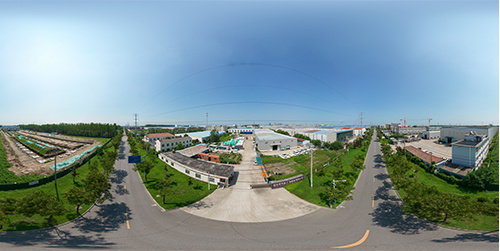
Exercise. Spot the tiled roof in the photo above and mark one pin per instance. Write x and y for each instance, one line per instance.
(426, 157)
(159, 135)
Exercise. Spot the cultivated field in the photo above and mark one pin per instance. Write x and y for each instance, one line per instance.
(27, 151)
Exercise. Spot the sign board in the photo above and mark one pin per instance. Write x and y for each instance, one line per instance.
(288, 181)
(34, 182)
(134, 159)
(259, 161)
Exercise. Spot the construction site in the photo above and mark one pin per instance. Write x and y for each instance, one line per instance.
(37, 153)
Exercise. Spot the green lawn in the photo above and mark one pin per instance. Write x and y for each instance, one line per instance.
(181, 193)
(302, 165)
(19, 222)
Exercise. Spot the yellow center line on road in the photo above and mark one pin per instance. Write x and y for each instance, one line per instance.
(125, 186)
(128, 225)
(373, 201)
(363, 239)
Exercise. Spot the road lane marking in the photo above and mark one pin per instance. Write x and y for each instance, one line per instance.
(125, 186)
(373, 201)
(128, 225)
(363, 239)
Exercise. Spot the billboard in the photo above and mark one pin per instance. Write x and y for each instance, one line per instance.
(134, 159)
(288, 181)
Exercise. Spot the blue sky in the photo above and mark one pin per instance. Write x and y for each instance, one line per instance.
(249, 61)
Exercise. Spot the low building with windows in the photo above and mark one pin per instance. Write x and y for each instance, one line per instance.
(471, 151)
(153, 137)
(164, 145)
(199, 136)
(205, 171)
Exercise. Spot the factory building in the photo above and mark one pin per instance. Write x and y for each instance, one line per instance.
(430, 135)
(205, 171)
(199, 136)
(216, 127)
(241, 130)
(397, 128)
(332, 136)
(454, 134)
(267, 140)
(470, 151)
(164, 145)
(10, 128)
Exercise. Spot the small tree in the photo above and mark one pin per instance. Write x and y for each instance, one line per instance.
(97, 184)
(337, 145)
(214, 136)
(74, 173)
(78, 196)
(40, 203)
(164, 186)
(144, 167)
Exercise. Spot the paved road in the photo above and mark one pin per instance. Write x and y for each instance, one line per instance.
(107, 226)
(239, 203)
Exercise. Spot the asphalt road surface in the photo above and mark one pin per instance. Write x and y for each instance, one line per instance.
(130, 220)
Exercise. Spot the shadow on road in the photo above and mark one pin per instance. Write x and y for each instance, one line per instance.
(475, 237)
(388, 214)
(234, 179)
(199, 205)
(118, 176)
(109, 217)
(54, 238)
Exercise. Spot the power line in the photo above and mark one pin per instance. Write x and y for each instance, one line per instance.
(246, 102)
(247, 64)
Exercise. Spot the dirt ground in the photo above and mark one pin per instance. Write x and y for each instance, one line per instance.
(23, 163)
(279, 168)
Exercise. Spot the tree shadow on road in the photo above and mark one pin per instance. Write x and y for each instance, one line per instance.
(53, 238)
(109, 217)
(388, 214)
(474, 237)
(200, 205)
(118, 176)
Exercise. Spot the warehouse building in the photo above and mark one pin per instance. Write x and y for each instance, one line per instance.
(164, 145)
(430, 135)
(471, 151)
(205, 171)
(199, 136)
(241, 130)
(267, 140)
(10, 128)
(454, 134)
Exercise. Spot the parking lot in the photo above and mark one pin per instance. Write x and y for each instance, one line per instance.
(432, 146)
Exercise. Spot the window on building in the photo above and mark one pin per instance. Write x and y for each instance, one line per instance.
(186, 171)
(211, 179)
(198, 175)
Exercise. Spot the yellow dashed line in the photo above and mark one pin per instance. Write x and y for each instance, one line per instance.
(363, 239)
(128, 225)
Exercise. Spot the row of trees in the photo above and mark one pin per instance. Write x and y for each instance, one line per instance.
(427, 201)
(79, 129)
(95, 187)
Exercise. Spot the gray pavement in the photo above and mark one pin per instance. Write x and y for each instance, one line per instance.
(240, 203)
(131, 221)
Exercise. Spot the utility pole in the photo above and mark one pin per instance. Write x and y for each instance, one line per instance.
(135, 114)
(312, 154)
(361, 118)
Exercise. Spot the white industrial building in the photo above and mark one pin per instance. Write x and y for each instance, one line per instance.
(153, 137)
(430, 135)
(163, 145)
(199, 136)
(396, 128)
(216, 127)
(241, 130)
(267, 140)
(454, 134)
(471, 151)
(205, 171)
